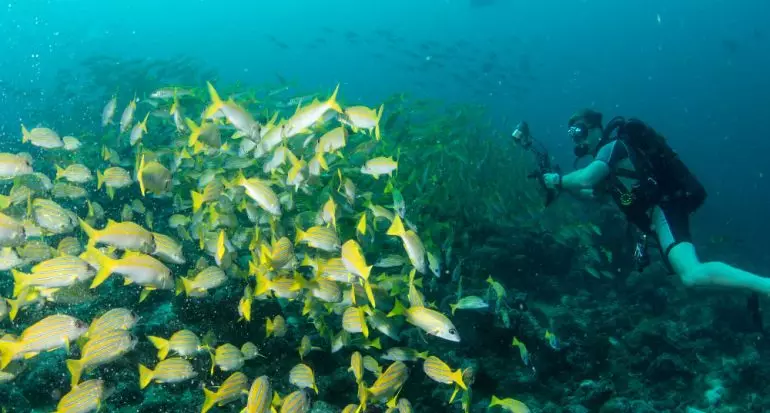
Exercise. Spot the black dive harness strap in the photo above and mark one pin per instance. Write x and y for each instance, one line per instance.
(645, 193)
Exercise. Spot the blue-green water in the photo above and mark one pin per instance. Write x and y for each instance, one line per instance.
(468, 71)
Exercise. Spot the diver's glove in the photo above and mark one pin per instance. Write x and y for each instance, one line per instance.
(552, 180)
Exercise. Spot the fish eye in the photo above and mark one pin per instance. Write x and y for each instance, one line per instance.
(452, 331)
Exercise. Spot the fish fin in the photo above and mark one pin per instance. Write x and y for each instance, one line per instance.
(332, 102)
(398, 309)
(8, 350)
(377, 125)
(105, 266)
(269, 327)
(263, 284)
(209, 400)
(195, 132)
(13, 308)
(99, 180)
(187, 285)
(197, 200)
(145, 293)
(145, 376)
(140, 175)
(397, 227)
(457, 376)
(453, 307)
(75, 368)
(59, 171)
(161, 344)
(495, 401)
(216, 102)
(18, 282)
(24, 134)
(369, 292)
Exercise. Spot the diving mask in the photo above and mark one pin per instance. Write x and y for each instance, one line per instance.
(579, 135)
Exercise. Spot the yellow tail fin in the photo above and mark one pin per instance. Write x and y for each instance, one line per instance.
(209, 400)
(13, 307)
(105, 266)
(397, 227)
(76, 370)
(59, 171)
(140, 175)
(145, 376)
(269, 327)
(24, 134)
(332, 102)
(8, 350)
(457, 376)
(197, 200)
(263, 284)
(377, 125)
(19, 282)
(216, 102)
(91, 233)
(195, 132)
(161, 344)
(99, 180)
(19, 279)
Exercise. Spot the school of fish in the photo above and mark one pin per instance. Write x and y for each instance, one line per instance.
(297, 208)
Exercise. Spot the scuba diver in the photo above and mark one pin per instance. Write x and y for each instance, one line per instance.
(653, 188)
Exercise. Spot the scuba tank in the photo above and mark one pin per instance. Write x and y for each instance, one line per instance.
(662, 175)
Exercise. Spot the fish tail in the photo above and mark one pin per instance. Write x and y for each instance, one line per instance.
(332, 102)
(263, 284)
(376, 343)
(397, 227)
(161, 344)
(105, 266)
(144, 122)
(495, 401)
(423, 355)
(99, 180)
(195, 132)
(25, 135)
(19, 282)
(91, 233)
(377, 125)
(197, 200)
(5, 201)
(145, 376)
(457, 377)
(13, 308)
(216, 102)
(75, 368)
(209, 400)
(369, 292)
(269, 327)
(398, 309)
(299, 237)
(453, 307)
(8, 349)
(187, 285)
(59, 171)
(140, 175)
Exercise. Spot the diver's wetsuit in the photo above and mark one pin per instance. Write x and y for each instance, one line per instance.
(667, 219)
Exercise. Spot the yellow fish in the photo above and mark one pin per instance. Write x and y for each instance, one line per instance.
(302, 376)
(121, 235)
(442, 373)
(85, 397)
(430, 321)
(260, 396)
(172, 370)
(53, 332)
(183, 343)
(99, 350)
(230, 390)
(355, 262)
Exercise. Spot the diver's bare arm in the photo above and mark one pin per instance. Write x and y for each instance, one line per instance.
(585, 178)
